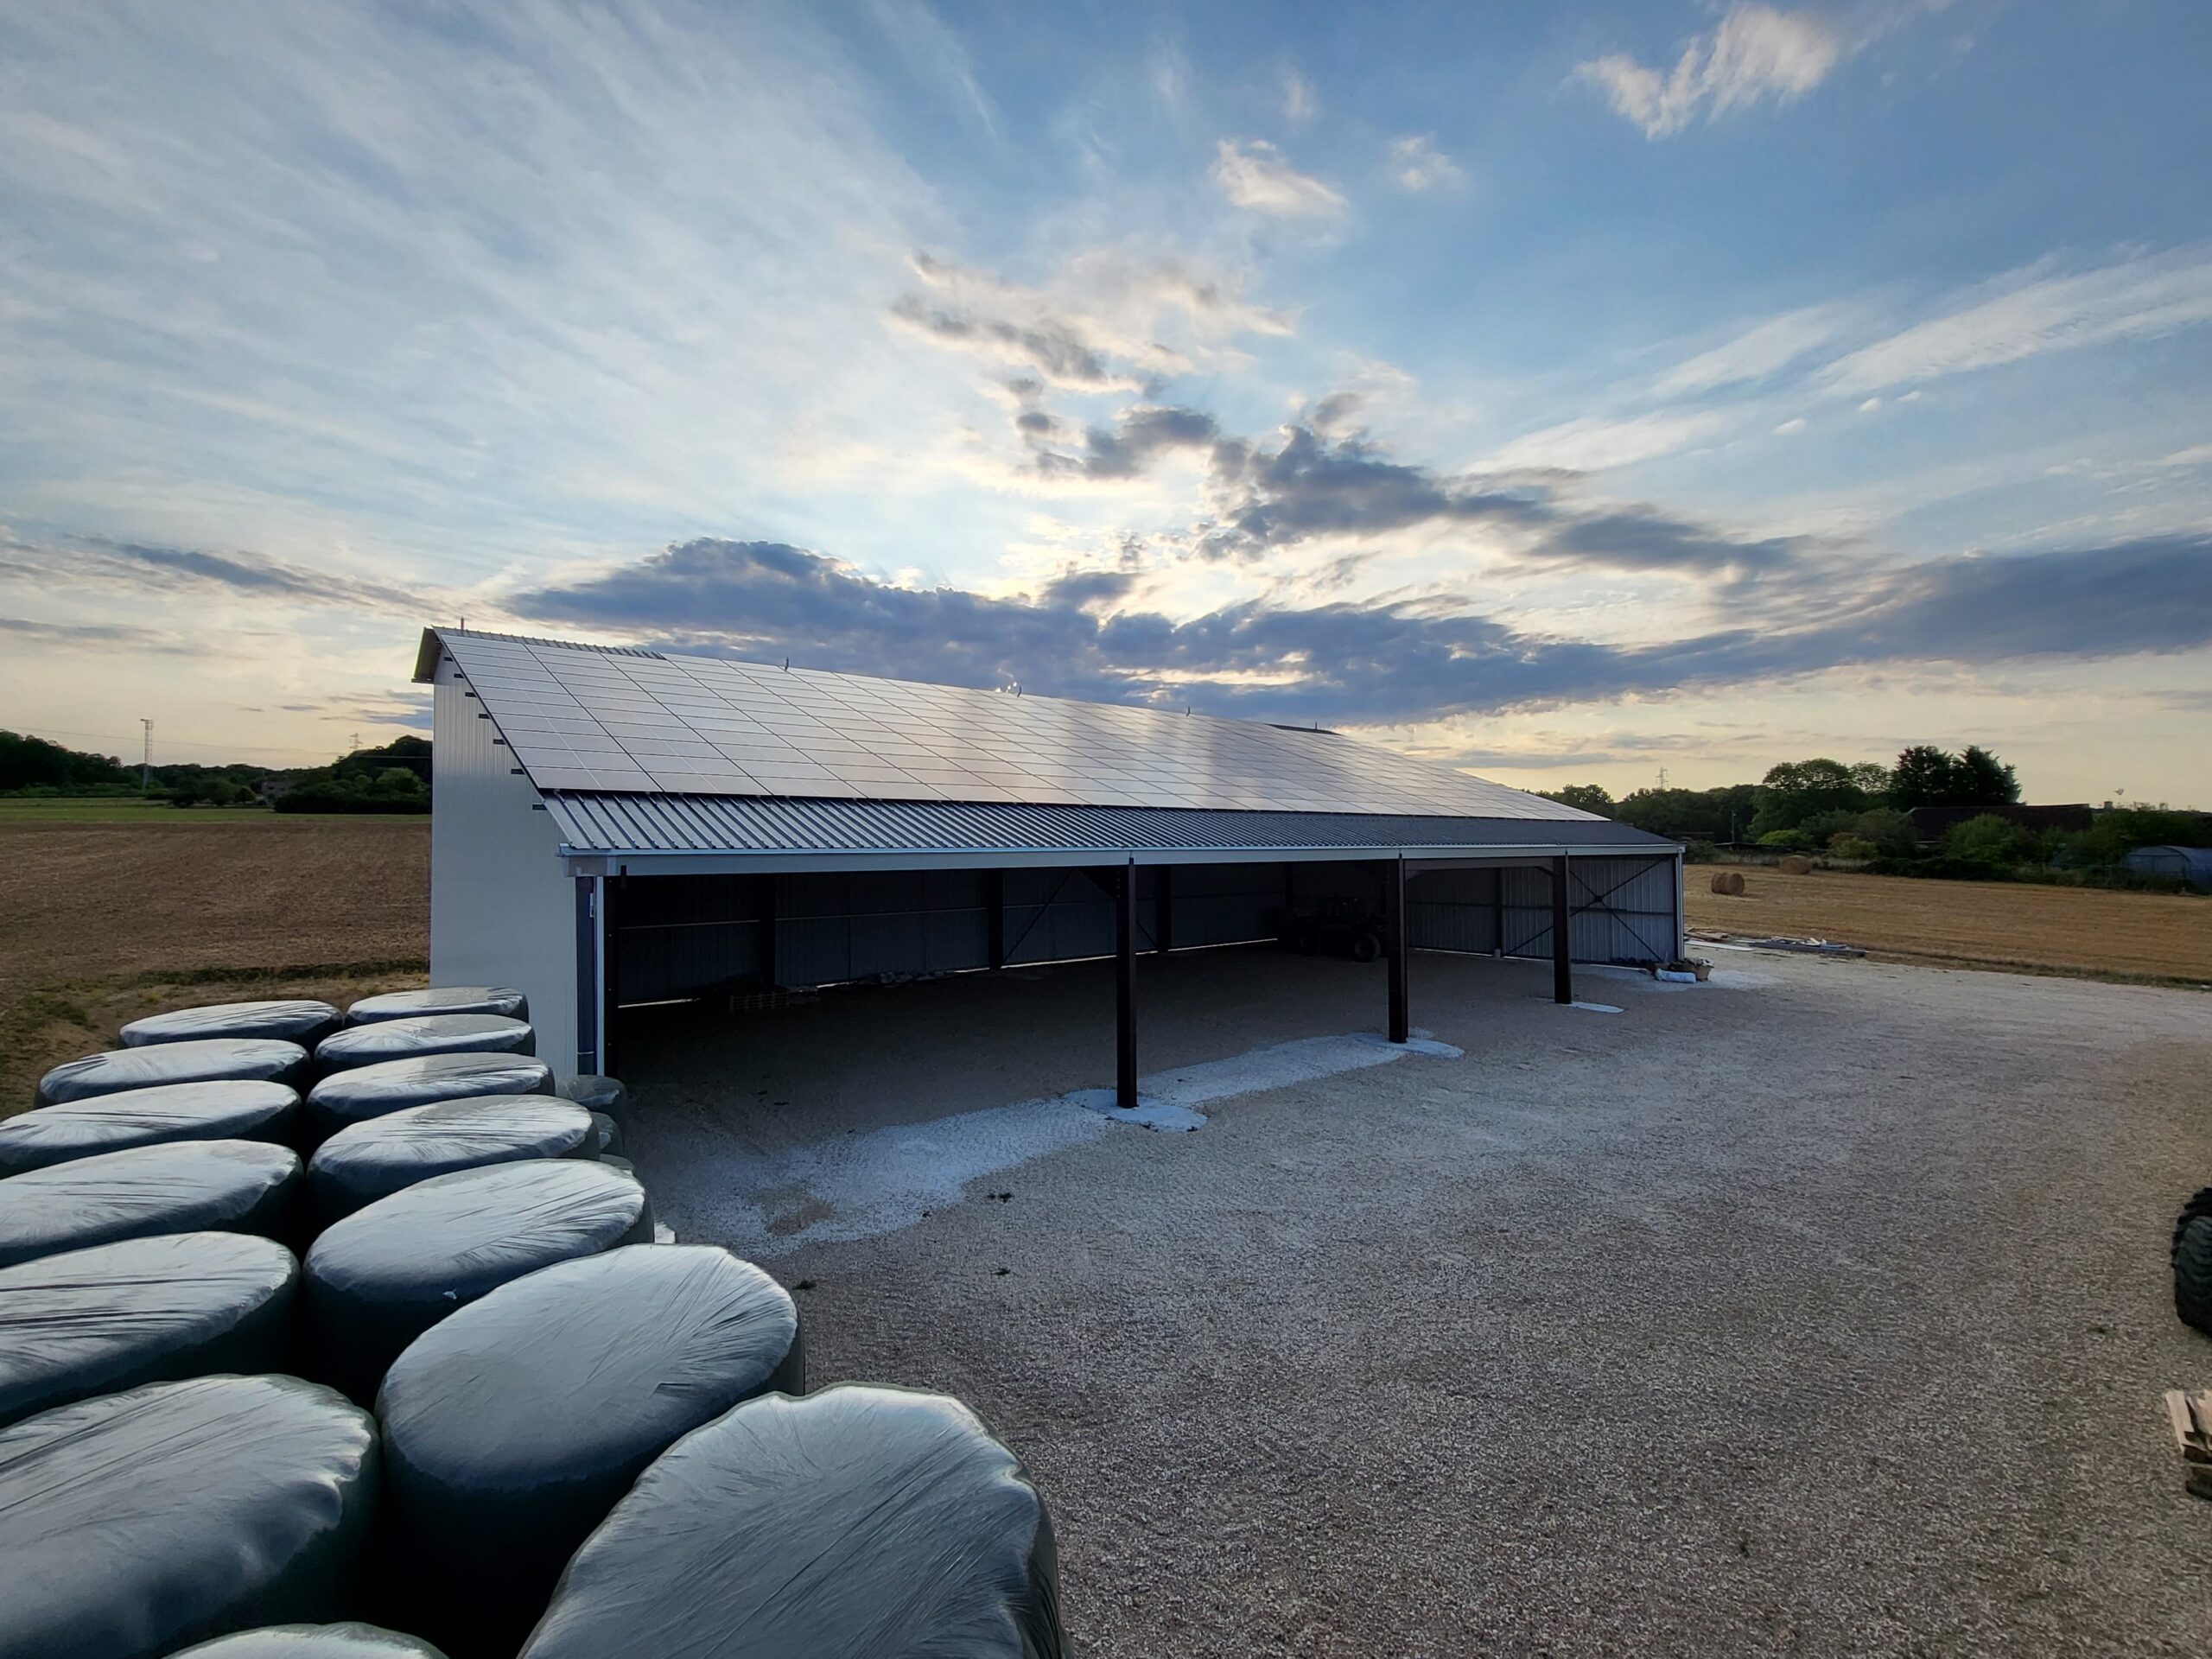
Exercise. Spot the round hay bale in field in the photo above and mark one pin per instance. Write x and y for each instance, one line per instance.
(188, 1186)
(421, 1035)
(144, 1310)
(441, 999)
(879, 1522)
(294, 1021)
(221, 1110)
(208, 1059)
(1730, 883)
(384, 1155)
(373, 1090)
(139, 1523)
(1796, 864)
(596, 1094)
(511, 1429)
(380, 1278)
(607, 1135)
(314, 1642)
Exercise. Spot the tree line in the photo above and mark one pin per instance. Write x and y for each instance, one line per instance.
(395, 778)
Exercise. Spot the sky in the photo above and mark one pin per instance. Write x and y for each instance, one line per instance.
(1570, 393)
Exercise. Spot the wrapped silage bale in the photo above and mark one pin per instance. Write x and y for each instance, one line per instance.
(136, 1523)
(607, 1134)
(207, 1059)
(224, 1109)
(143, 1310)
(441, 999)
(421, 1035)
(511, 1429)
(314, 1642)
(598, 1094)
(861, 1523)
(381, 1277)
(186, 1186)
(393, 1085)
(291, 1021)
(376, 1158)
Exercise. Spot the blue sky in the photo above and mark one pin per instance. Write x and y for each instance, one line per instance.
(1564, 392)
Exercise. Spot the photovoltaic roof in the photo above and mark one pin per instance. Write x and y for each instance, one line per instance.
(620, 722)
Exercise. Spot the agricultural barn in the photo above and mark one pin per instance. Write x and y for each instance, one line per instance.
(616, 827)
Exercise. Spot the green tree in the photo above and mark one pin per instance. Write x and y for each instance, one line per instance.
(1921, 777)
(1587, 797)
(1979, 779)
(1989, 840)
(1798, 790)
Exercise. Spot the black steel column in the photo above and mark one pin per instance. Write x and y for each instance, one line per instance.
(1163, 909)
(611, 895)
(767, 925)
(587, 975)
(1562, 938)
(1394, 928)
(1125, 986)
(994, 918)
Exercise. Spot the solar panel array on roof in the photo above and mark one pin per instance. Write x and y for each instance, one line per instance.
(630, 722)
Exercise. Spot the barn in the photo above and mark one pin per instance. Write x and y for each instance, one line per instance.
(615, 828)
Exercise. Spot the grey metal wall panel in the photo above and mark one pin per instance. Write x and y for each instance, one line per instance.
(659, 962)
(1453, 910)
(1226, 904)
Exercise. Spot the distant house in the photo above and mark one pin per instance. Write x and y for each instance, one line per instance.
(2189, 864)
(1933, 823)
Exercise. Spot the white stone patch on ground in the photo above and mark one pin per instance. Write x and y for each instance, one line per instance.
(862, 1185)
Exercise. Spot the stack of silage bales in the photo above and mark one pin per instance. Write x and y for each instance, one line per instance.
(188, 1452)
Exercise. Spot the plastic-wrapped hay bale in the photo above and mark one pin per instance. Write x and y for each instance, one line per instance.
(136, 1523)
(189, 1187)
(441, 999)
(861, 1523)
(223, 1110)
(384, 1155)
(296, 1020)
(383, 1275)
(511, 1429)
(314, 1642)
(596, 1094)
(607, 1135)
(424, 1033)
(144, 1310)
(373, 1090)
(244, 1058)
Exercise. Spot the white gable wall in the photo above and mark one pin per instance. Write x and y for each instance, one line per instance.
(502, 910)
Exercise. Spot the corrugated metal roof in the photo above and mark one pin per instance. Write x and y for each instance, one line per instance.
(611, 822)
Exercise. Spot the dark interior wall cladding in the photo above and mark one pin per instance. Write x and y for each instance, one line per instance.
(839, 926)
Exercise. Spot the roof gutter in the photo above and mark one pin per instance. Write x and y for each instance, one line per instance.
(807, 861)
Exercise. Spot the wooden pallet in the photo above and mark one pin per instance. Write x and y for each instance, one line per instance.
(2191, 1417)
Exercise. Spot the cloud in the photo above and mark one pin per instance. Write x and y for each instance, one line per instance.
(1592, 444)
(1791, 427)
(1298, 103)
(2027, 314)
(90, 634)
(1769, 347)
(1756, 52)
(143, 568)
(1386, 661)
(1253, 174)
(1417, 165)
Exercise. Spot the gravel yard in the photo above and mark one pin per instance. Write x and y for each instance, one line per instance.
(1823, 1309)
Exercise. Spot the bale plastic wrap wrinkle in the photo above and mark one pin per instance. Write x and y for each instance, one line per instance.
(188, 1187)
(512, 1427)
(260, 1058)
(377, 1158)
(226, 1109)
(421, 1035)
(607, 1135)
(314, 1642)
(440, 999)
(144, 1310)
(600, 1094)
(381, 1277)
(861, 1523)
(297, 1020)
(136, 1523)
(392, 1085)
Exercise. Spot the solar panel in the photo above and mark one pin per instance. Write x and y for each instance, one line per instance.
(584, 718)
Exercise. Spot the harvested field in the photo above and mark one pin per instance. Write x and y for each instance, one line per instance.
(104, 922)
(1983, 923)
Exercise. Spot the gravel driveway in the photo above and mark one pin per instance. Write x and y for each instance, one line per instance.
(1823, 1309)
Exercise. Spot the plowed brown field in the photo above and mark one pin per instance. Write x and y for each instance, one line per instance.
(1985, 923)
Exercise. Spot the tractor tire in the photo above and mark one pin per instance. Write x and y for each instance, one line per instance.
(1365, 947)
(2192, 1263)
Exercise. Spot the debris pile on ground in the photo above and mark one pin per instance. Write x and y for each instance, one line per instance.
(478, 1261)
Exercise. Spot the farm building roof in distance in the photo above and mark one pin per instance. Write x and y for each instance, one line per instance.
(642, 752)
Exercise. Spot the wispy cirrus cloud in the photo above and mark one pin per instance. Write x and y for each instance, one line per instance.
(1418, 166)
(1756, 53)
(1254, 175)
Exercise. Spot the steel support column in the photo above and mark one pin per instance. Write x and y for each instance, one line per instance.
(1125, 986)
(768, 968)
(588, 971)
(1562, 937)
(1393, 910)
